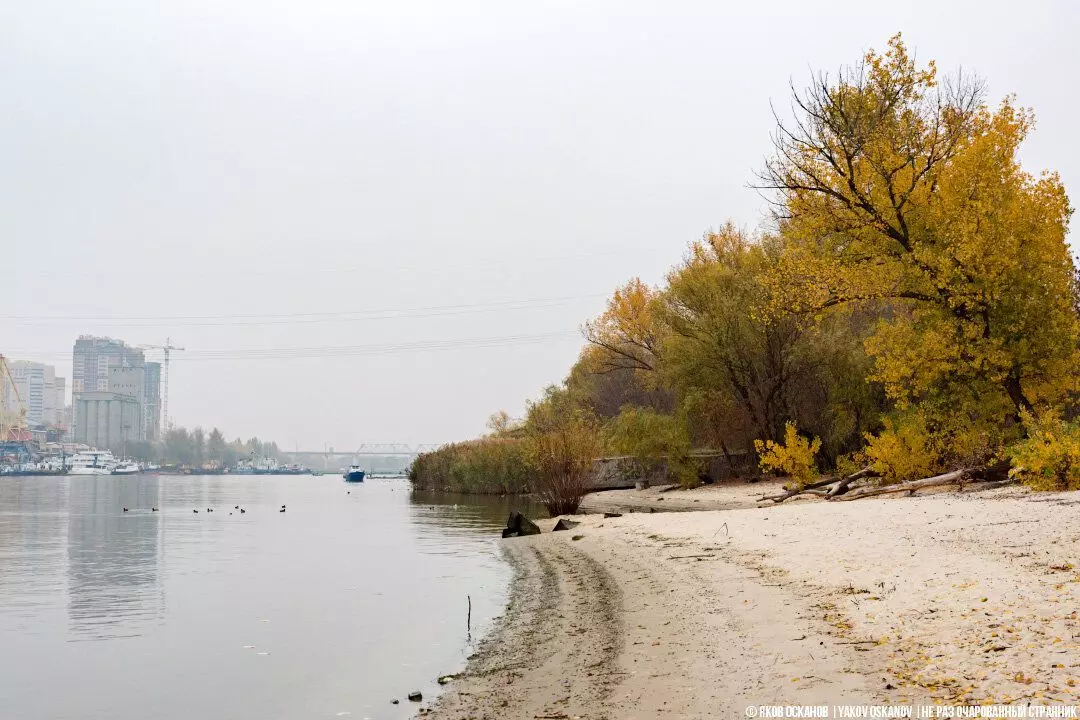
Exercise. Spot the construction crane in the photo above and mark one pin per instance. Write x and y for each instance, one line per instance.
(20, 411)
(166, 349)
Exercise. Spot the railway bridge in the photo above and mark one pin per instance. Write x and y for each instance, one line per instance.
(391, 458)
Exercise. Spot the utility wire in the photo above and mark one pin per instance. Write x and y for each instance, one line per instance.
(250, 269)
(307, 317)
(286, 353)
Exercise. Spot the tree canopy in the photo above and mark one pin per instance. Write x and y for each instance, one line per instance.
(910, 307)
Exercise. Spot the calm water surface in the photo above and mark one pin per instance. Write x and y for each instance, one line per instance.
(331, 609)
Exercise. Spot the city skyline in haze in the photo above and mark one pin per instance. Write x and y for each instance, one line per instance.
(387, 221)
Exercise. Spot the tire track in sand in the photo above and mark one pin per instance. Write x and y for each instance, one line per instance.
(554, 651)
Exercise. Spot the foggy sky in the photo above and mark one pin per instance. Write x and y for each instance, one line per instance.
(477, 175)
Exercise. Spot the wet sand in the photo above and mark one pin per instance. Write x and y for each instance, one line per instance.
(945, 598)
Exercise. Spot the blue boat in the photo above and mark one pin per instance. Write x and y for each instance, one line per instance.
(355, 474)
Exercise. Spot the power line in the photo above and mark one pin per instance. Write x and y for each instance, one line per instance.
(288, 353)
(374, 349)
(305, 318)
(396, 267)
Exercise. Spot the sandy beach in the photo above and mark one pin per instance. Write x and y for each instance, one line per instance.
(946, 598)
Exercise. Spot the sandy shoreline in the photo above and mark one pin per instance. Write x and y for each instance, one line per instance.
(946, 598)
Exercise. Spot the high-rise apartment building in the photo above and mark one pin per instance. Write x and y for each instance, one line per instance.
(36, 385)
(105, 365)
(94, 356)
(152, 401)
(64, 413)
(60, 388)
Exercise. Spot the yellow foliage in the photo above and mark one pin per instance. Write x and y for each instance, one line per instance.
(627, 335)
(904, 450)
(1049, 457)
(794, 457)
(850, 463)
(921, 442)
(915, 268)
(906, 194)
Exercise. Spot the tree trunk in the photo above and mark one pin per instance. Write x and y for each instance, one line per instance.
(1015, 390)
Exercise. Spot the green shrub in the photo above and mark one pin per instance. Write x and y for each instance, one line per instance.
(655, 441)
(491, 465)
(563, 443)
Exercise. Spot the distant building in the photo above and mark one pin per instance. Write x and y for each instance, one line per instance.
(128, 381)
(92, 358)
(65, 422)
(107, 420)
(36, 385)
(152, 402)
(101, 364)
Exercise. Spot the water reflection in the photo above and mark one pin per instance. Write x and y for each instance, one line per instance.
(355, 596)
(33, 518)
(113, 557)
(467, 511)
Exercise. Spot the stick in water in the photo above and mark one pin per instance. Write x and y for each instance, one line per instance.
(468, 618)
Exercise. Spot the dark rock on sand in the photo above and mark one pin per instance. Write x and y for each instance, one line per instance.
(518, 524)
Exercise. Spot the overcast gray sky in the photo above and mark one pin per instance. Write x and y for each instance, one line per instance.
(441, 190)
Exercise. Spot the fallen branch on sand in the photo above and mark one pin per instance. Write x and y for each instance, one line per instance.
(842, 487)
(792, 492)
(857, 485)
(827, 488)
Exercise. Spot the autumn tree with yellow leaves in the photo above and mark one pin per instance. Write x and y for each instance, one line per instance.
(911, 310)
(901, 190)
(628, 332)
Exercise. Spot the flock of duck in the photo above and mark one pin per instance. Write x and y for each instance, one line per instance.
(209, 510)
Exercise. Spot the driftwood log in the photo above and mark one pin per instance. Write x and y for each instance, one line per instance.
(955, 477)
(792, 492)
(856, 485)
(842, 487)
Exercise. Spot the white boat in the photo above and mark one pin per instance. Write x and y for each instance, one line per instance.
(126, 468)
(92, 462)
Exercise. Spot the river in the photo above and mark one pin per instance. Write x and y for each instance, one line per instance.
(353, 597)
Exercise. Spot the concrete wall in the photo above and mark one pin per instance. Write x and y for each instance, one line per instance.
(107, 420)
(624, 472)
(128, 381)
